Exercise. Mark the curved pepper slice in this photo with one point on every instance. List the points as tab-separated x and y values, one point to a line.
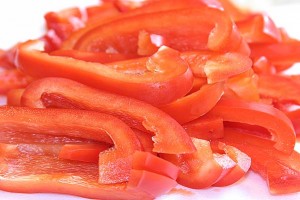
213	29
64	93
279	125
259	28
199	169
160	79
243	163
114	165
217	67
196	104
149	7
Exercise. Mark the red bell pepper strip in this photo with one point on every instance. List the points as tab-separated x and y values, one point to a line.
217	67
48	174
114	165
199	169
230	63
226	163
161	79
263	154
279	88
149	7
82	152
278	54
278	173
213	29
196	104
280	127
64	93
206	128
149	182
259	28
149	162
243	163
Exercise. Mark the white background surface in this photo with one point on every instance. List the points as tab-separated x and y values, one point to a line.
23	19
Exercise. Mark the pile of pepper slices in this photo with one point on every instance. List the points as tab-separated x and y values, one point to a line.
127	99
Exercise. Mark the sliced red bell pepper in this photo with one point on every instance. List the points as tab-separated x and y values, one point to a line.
213	29
82	152
149	7
199	169
279	88
272	119
243	163
282	179
194	105
259	28
206	128
149	162
263	153
114	165
226	163
48	174
160	79
217	67
64	93
151	183
221	67
279	54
